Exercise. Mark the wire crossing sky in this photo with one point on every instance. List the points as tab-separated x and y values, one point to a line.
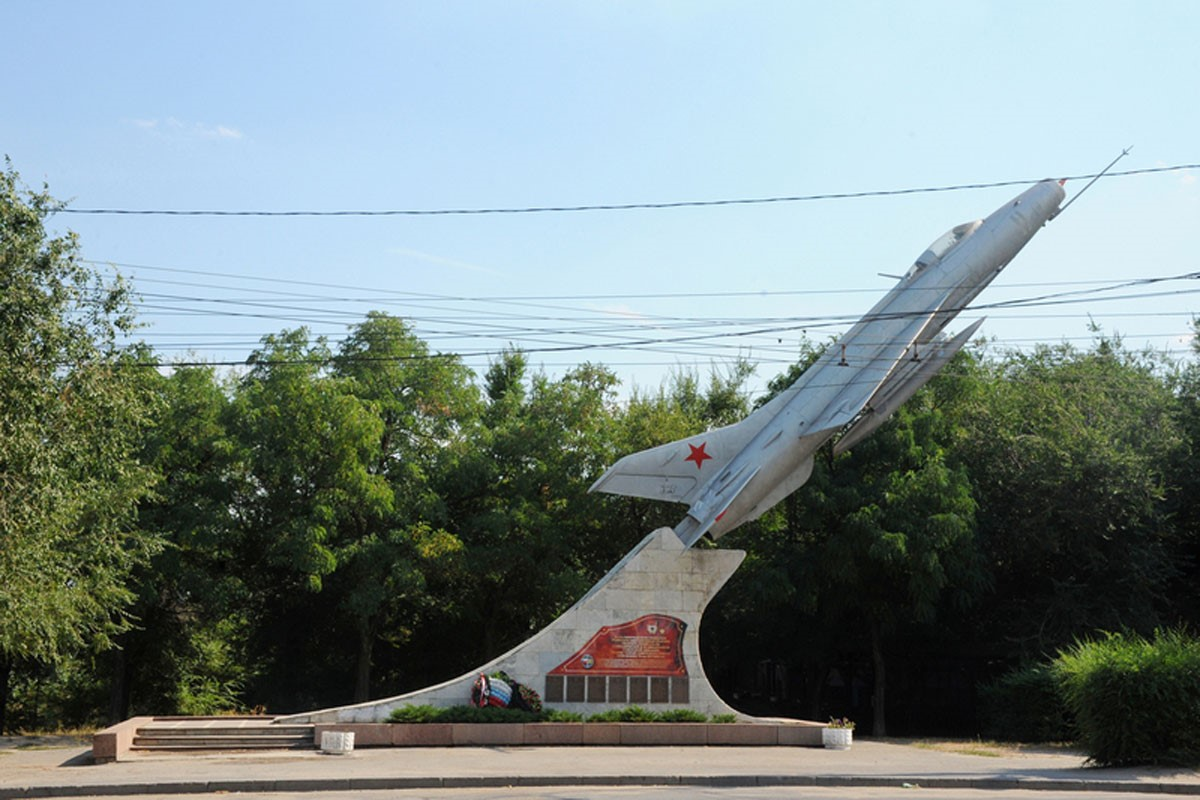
252	171
744	201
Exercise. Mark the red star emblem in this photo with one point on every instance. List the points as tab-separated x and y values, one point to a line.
698	455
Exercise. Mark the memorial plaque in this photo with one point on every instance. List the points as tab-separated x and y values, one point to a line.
649	645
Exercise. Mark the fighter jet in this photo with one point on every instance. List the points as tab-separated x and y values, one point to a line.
732	475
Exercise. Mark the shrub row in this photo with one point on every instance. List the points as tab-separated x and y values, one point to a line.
1126	700
1135	701
426	713
1025	705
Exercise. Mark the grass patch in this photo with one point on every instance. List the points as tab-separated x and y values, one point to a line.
969	748
45	741
989	748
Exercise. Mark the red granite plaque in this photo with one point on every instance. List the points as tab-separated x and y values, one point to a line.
648	645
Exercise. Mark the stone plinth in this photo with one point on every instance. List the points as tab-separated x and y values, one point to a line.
633	639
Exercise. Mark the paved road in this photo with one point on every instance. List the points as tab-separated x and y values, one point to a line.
869	769
686	793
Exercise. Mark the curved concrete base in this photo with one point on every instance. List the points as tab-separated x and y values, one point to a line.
633	639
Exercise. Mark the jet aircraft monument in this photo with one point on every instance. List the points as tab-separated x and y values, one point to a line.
733	474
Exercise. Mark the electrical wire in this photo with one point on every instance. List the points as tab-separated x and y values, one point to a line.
744	201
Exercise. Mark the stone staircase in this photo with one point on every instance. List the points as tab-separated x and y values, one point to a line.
209	734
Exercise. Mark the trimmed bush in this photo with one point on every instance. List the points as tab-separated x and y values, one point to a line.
426	714
558	715
627	714
681	715
1135	701
1025	705
639	714
414	714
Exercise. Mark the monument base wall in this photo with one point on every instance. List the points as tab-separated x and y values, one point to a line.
633	639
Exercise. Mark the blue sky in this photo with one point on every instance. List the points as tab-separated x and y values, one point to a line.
434	105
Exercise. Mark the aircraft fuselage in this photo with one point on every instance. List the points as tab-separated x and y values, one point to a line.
731	475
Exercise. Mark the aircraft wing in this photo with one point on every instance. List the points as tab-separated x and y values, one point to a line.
677	470
874	363
902	385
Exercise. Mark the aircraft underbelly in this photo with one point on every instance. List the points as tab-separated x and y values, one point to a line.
776	479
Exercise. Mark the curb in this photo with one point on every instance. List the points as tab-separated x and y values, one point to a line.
495	782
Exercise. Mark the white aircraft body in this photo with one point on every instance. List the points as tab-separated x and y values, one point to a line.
731	475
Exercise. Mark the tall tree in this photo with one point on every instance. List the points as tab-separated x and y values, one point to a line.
1068	451
518	499
385	566
187	654
879	538
1183	493
307	445
73	404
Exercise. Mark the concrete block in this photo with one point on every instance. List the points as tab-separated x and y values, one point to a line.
113	743
554	733
799	734
736	734
632	603
669	600
602	733
337	742
664	733
374	734
433	734
472	734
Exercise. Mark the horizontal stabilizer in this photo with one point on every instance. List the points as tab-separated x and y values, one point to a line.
676	471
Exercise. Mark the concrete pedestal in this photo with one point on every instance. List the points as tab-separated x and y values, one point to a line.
633	639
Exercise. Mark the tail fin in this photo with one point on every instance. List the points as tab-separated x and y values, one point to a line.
677	470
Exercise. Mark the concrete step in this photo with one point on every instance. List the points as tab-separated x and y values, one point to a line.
194	735
265	730
212	747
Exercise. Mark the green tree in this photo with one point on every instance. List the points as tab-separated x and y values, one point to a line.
388	567
1183	493
1068	452
878	539
306	446
73	405
187	654
517	495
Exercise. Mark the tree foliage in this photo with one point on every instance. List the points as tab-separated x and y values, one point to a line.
71	413
331	523
1070	452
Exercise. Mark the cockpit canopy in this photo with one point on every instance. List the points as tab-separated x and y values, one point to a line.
942	245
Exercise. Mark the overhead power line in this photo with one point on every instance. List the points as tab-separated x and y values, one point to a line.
742	201
656	337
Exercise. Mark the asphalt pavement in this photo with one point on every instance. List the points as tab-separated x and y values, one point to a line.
51	769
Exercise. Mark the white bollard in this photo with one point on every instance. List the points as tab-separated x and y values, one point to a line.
337	742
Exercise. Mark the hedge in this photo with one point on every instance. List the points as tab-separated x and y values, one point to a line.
419	714
1135	701
1025	705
